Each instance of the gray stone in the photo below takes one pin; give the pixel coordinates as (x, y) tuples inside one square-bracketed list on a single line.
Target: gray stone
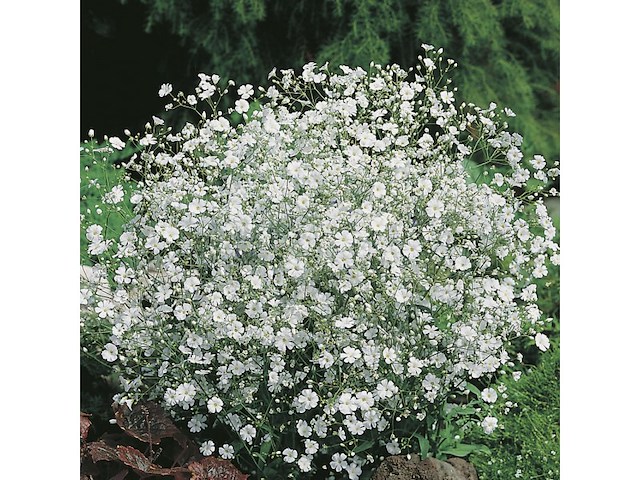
[(400, 467)]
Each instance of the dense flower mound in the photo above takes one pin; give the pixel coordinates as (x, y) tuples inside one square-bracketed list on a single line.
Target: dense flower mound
[(314, 284)]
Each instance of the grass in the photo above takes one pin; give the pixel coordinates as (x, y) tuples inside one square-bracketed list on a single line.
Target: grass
[(99, 172), (529, 445)]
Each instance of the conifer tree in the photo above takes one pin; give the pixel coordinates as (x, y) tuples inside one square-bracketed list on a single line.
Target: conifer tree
[(508, 49)]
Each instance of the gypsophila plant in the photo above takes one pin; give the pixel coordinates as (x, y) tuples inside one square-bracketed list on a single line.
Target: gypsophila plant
[(334, 280)]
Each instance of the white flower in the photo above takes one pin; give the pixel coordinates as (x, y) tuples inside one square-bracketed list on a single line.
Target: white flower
[(294, 267), (379, 223), (115, 196), (110, 352), (165, 89), (338, 462), (191, 284), (435, 208), (248, 433), (489, 395), (94, 232), (245, 91), (289, 455), (304, 430), (542, 341), (379, 190), (207, 448), (353, 470), (311, 447), (489, 424), (386, 389), (424, 186), (344, 259), (185, 392), (307, 400), (365, 400), (303, 202), (347, 403), (242, 106), (116, 143), (326, 360), (84, 296), (414, 366), (392, 447), (350, 354), (304, 464), (197, 423), (402, 295), (406, 92), (307, 240), (538, 162), (226, 451), (447, 97), (197, 206), (344, 322), (412, 249), (148, 140), (377, 84), (181, 312), (389, 355), (344, 239), (462, 263), (105, 308), (170, 397), (231, 161)]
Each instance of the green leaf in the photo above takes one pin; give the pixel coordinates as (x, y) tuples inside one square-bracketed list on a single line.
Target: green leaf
[(473, 389), (424, 447), (464, 449), (265, 448), (464, 411), (363, 446), (446, 444)]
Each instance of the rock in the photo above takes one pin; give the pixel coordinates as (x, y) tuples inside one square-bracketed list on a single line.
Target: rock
[(399, 467), (465, 467)]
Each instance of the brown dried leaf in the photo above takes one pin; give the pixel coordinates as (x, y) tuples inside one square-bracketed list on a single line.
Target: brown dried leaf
[(211, 468), (148, 423), (135, 458), (101, 451), (85, 423)]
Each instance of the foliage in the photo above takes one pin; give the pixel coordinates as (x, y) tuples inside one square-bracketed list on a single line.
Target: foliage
[(528, 445), (146, 444), (325, 282), (100, 170), (510, 48)]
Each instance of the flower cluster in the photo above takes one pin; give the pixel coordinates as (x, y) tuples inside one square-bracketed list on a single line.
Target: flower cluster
[(313, 284)]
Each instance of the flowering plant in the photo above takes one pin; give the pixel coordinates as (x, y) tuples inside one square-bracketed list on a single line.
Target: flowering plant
[(316, 285)]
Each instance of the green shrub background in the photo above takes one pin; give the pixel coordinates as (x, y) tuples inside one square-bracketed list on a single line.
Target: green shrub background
[(509, 50)]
